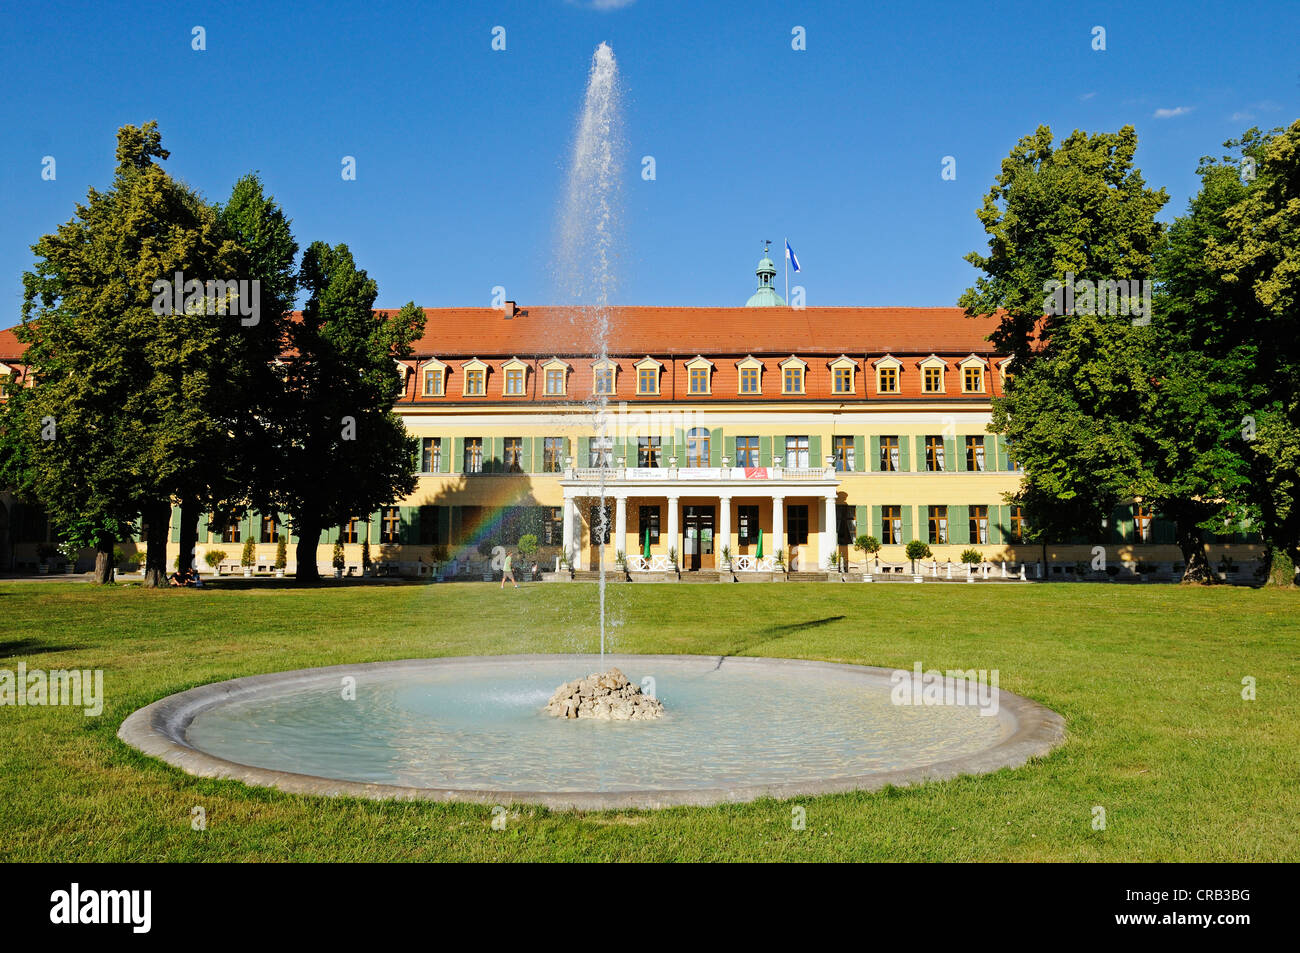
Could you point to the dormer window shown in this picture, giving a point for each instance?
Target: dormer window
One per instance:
(475, 378)
(433, 378)
(648, 371)
(555, 376)
(932, 375)
(972, 374)
(843, 373)
(699, 375)
(792, 374)
(514, 375)
(603, 377)
(888, 375)
(751, 376)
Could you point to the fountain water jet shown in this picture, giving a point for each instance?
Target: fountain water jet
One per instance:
(588, 234)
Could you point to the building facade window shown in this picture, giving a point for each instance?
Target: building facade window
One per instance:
(555, 382)
(697, 447)
(846, 524)
(746, 525)
(796, 451)
(553, 526)
(749, 377)
(229, 532)
(1142, 520)
(979, 524)
(934, 461)
(842, 380)
(796, 533)
(699, 380)
(889, 459)
(887, 380)
(975, 454)
(601, 452)
(514, 454)
(891, 525)
(648, 450)
(390, 525)
(270, 529)
(348, 531)
(1017, 528)
(842, 450)
(553, 449)
(429, 530)
(932, 380)
(473, 455)
(792, 380)
(649, 524)
(973, 379)
(432, 382)
(600, 522)
(603, 382)
(938, 524)
(747, 452)
(474, 379)
(514, 382)
(647, 380)
(430, 454)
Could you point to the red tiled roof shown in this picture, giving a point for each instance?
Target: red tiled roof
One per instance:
(543, 331)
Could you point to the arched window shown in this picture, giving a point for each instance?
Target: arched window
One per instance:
(697, 447)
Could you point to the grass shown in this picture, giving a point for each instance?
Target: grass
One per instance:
(1148, 678)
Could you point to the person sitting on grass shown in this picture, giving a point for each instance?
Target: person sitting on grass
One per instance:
(176, 579)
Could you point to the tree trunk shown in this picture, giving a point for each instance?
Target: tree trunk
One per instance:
(158, 516)
(1047, 570)
(189, 532)
(104, 566)
(1191, 543)
(1279, 565)
(308, 540)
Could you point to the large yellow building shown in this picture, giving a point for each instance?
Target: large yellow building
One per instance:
(717, 437)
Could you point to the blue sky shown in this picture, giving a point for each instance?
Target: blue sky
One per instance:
(461, 150)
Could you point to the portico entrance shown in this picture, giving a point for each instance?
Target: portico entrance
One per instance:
(697, 550)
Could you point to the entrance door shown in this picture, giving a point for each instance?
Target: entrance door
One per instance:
(698, 552)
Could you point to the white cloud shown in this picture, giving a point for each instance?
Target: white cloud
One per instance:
(1241, 116)
(1086, 96)
(1171, 113)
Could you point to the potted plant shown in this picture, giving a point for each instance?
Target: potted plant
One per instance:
(567, 563)
(69, 551)
(214, 557)
(620, 560)
(779, 558)
(281, 556)
(137, 560)
(868, 546)
(528, 550)
(726, 561)
(248, 557)
(917, 550)
(339, 560)
(672, 561)
(46, 552)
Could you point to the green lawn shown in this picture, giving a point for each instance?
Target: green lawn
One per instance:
(1148, 678)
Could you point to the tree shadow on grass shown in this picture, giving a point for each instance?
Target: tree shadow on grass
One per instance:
(32, 647)
(776, 632)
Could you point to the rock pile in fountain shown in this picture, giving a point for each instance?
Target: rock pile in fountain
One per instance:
(607, 695)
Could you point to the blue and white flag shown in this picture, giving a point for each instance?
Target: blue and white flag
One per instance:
(789, 254)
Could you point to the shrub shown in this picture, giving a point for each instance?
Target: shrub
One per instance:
(528, 545)
(249, 555)
(867, 545)
(917, 550)
(213, 557)
(281, 553)
(972, 557)
(119, 556)
(779, 556)
(137, 558)
(439, 553)
(365, 553)
(339, 560)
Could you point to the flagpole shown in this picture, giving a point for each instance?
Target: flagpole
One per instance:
(786, 255)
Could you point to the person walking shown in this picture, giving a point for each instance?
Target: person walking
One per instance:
(508, 569)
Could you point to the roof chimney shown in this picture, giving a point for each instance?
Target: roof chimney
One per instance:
(511, 309)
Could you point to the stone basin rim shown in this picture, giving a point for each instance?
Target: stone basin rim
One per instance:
(159, 730)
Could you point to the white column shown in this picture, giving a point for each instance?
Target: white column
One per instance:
(570, 516)
(620, 523)
(724, 530)
(828, 532)
(673, 541)
(778, 527)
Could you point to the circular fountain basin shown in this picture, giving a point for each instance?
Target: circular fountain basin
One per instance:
(472, 729)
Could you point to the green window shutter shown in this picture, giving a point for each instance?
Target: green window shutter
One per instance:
(715, 447)
(995, 523)
(959, 525)
(1128, 531)
(525, 455)
(920, 453)
(904, 456)
(815, 458)
(859, 464)
(1164, 531)
(949, 453)
(730, 446)
(538, 454)
(877, 522)
(457, 454)
(584, 452)
(765, 451)
(250, 526)
(908, 535)
(176, 524)
(444, 524)
(960, 457)
(999, 452)
(410, 525)
(376, 526)
(203, 527)
(874, 465)
(498, 454)
(445, 450)
(329, 535)
(861, 516)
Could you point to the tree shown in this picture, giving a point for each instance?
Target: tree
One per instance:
(1255, 255)
(867, 545)
(114, 422)
(917, 550)
(340, 448)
